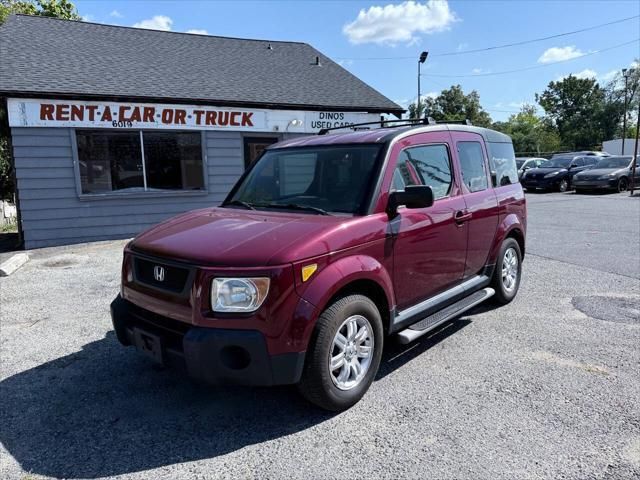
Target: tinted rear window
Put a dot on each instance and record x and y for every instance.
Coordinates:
(503, 162)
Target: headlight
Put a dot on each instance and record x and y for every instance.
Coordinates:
(238, 294)
(552, 174)
(607, 177)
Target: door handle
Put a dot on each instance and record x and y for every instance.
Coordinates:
(462, 216)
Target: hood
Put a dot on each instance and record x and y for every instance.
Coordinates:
(546, 170)
(600, 171)
(242, 238)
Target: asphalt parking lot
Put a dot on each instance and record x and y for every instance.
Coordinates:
(546, 387)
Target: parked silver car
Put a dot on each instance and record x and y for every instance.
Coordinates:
(610, 173)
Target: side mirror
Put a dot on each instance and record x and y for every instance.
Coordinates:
(413, 196)
(573, 165)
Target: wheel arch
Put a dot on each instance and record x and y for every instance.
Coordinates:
(357, 274)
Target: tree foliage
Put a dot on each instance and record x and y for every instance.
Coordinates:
(47, 8)
(532, 135)
(453, 104)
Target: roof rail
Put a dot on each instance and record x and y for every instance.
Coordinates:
(396, 123)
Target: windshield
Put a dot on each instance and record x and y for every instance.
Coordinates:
(310, 179)
(558, 162)
(613, 162)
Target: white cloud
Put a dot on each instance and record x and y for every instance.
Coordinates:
(478, 71)
(345, 63)
(607, 77)
(115, 14)
(157, 22)
(198, 31)
(399, 23)
(558, 54)
(586, 73)
(88, 18)
(462, 46)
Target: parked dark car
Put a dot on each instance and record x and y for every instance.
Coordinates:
(610, 173)
(527, 163)
(324, 247)
(558, 172)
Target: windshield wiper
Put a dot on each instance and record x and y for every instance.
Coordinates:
(296, 206)
(240, 203)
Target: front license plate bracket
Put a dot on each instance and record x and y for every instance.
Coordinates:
(149, 344)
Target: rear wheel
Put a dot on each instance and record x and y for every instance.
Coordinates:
(623, 184)
(506, 277)
(344, 354)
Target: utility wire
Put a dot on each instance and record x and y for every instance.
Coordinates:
(531, 67)
(496, 47)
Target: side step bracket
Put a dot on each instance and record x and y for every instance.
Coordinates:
(432, 321)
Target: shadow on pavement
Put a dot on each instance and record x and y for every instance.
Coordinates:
(105, 411)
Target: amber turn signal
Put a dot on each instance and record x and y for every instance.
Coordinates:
(308, 270)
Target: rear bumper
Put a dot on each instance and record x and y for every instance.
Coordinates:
(209, 355)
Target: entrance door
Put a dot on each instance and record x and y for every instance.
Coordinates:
(430, 245)
(254, 146)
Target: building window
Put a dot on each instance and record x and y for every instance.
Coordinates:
(135, 161)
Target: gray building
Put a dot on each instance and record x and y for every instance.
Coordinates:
(114, 129)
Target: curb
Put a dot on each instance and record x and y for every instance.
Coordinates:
(13, 264)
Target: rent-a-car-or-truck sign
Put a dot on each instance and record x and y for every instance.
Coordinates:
(85, 114)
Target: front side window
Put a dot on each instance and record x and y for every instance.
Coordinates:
(472, 166)
(424, 165)
(331, 179)
(133, 162)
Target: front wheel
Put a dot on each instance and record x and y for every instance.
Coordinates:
(563, 186)
(623, 185)
(506, 277)
(344, 354)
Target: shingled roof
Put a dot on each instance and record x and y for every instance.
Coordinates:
(53, 57)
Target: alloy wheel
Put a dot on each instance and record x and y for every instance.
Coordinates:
(351, 353)
(622, 185)
(510, 270)
(563, 186)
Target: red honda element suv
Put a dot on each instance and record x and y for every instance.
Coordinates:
(325, 248)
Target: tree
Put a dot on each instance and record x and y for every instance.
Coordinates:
(577, 107)
(453, 104)
(531, 134)
(45, 8)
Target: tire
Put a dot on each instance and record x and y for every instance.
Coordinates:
(563, 185)
(623, 185)
(506, 291)
(322, 386)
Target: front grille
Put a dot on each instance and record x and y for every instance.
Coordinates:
(172, 278)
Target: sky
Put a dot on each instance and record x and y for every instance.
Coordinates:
(380, 40)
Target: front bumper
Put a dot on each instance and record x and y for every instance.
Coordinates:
(543, 183)
(595, 184)
(210, 355)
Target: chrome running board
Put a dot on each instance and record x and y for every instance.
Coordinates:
(432, 321)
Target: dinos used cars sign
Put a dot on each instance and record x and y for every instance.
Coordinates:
(82, 114)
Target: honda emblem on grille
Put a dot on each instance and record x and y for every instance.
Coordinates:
(158, 273)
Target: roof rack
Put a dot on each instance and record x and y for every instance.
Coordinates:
(396, 123)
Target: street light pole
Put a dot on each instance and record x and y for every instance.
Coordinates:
(421, 60)
(624, 119)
